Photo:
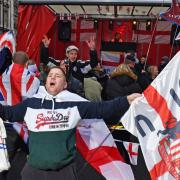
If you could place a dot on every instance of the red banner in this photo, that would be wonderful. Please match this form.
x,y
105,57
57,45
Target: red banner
x,y
33,23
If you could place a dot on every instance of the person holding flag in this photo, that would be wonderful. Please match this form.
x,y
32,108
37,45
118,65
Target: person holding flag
x,y
52,116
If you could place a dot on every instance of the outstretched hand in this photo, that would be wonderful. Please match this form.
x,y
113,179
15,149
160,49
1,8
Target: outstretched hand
x,y
46,41
91,43
132,97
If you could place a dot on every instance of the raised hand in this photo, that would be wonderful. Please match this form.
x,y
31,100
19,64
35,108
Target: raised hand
x,y
91,43
46,41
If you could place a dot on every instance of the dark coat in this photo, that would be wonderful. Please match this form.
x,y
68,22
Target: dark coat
x,y
122,85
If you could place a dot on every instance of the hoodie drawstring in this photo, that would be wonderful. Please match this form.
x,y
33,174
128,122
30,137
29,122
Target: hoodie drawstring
x,y
42,101
53,104
52,99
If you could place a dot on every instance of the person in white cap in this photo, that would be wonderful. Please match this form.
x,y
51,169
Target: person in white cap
x,y
75,69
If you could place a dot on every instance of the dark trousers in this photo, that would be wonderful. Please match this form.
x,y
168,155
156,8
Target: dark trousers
x,y
66,173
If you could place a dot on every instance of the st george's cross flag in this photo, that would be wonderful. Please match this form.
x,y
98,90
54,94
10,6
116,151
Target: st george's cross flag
x,y
96,144
132,150
154,120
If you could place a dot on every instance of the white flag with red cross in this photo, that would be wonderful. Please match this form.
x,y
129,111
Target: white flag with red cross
x,y
97,146
132,150
154,119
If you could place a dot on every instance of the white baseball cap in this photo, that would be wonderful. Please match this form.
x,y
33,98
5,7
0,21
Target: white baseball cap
x,y
71,47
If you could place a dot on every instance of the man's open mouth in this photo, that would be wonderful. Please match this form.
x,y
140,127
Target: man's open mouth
x,y
52,84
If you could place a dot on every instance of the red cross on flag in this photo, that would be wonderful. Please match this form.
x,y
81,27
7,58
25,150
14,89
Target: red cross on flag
x,y
132,149
97,146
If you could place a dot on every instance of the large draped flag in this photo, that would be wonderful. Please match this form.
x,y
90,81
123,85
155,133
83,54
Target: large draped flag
x,y
33,22
97,146
154,119
173,14
16,84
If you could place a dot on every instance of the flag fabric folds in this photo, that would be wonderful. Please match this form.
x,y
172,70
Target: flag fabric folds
x,y
21,129
7,40
154,119
34,21
7,49
132,150
96,145
110,60
16,84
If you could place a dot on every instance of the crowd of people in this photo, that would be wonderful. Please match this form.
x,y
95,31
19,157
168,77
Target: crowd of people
x,y
60,94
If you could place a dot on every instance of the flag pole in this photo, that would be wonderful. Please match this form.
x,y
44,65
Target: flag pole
x,y
172,47
150,43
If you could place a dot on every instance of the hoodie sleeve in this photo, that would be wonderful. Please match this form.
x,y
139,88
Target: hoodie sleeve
x,y
106,109
13,113
93,58
44,54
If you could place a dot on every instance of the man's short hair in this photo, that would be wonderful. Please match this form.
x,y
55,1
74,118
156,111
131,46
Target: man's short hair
x,y
20,57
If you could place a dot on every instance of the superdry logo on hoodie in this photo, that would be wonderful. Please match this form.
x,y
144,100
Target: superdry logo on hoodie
x,y
52,119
